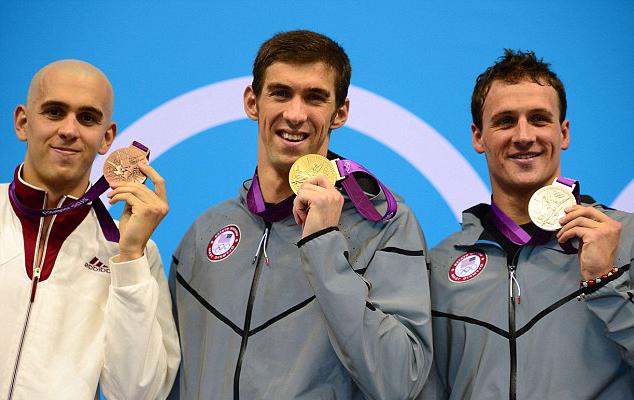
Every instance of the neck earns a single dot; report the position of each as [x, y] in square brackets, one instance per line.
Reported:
[273, 184]
[514, 206]
[54, 190]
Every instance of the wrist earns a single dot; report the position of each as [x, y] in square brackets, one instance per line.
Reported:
[587, 275]
[124, 256]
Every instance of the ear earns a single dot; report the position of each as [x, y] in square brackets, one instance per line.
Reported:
[108, 138]
[20, 122]
[565, 134]
[250, 103]
[341, 115]
[476, 139]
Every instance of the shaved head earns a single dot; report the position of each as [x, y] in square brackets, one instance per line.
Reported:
[76, 68]
[66, 122]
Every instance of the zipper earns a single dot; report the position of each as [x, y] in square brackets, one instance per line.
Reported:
[512, 329]
[261, 250]
[37, 271]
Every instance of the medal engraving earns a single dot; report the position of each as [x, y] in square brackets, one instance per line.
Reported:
[121, 165]
[547, 205]
[308, 166]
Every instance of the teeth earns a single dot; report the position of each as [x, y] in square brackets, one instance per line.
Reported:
[293, 137]
[524, 156]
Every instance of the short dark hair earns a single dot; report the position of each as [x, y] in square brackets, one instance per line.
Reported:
[514, 67]
[302, 47]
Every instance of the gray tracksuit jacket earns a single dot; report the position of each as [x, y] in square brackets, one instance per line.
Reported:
[342, 314]
[548, 345]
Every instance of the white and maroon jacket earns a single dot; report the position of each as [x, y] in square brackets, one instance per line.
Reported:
[88, 320]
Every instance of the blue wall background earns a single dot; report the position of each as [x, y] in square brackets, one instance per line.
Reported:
[422, 55]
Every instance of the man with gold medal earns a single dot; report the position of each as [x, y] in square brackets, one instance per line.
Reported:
[322, 294]
[533, 298]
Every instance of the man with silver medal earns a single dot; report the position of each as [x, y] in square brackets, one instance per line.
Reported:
[318, 294]
[85, 302]
[533, 297]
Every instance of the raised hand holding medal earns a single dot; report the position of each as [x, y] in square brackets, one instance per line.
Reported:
[306, 169]
[318, 203]
[125, 171]
[555, 207]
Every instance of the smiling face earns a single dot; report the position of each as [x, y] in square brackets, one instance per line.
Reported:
[295, 112]
[521, 136]
[66, 122]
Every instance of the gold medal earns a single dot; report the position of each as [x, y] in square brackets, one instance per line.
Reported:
[121, 165]
[311, 165]
[546, 206]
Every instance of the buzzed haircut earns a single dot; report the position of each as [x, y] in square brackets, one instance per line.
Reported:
[303, 47]
[512, 68]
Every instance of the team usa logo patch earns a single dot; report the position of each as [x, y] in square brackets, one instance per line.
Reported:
[223, 243]
[467, 266]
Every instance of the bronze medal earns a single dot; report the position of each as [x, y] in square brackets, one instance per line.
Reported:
[121, 165]
[309, 166]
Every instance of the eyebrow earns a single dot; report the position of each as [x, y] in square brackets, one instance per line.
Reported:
[316, 90]
[90, 109]
[513, 112]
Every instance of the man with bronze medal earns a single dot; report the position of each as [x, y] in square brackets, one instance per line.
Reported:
[533, 298]
[318, 294]
[85, 303]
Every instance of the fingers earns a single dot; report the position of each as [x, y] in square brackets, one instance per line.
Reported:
[300, 211]
[159, 182]
[578, 226]
[582, 222]
[581, 211]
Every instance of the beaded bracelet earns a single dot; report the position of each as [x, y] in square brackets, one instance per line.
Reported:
[603, 278]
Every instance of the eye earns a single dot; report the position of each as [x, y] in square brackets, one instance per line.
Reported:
[540, 119]
[315, 98]
[86, 118]
[53, 112]
[280, 93]
[504, 121]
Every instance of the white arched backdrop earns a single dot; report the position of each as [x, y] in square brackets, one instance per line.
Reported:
[409, 136]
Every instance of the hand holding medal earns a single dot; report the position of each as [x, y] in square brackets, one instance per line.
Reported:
[599, 236]
[554, 207]
[126, 170]
[319, 172]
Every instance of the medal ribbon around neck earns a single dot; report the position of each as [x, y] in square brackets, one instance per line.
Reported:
[345, 168]
[519, 236]
[274, 213]
[108, 227]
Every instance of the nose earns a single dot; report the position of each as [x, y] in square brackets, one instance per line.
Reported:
[524, 134]
[295, 113]
[69, 128]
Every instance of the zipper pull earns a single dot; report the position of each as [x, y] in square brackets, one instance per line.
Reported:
[262, 246]
[513, 281]
[36, 279]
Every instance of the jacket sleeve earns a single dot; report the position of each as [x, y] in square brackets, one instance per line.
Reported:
[614, 303]
[378, 320]
[438, 381]
[141, 345]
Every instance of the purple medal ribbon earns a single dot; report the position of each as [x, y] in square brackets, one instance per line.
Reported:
[519, 236]
[281, 210]
[358, 197]
[109, 228]
[274, 213]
